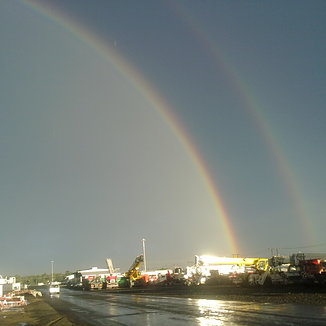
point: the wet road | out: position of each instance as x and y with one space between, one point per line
101 308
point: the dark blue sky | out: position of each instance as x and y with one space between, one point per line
89 167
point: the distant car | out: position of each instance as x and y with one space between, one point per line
54 289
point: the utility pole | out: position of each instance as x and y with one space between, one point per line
144 254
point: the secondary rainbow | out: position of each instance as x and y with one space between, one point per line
255 110
152 96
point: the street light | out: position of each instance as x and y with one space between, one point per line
52 262
144 253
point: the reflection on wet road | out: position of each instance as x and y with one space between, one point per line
100 308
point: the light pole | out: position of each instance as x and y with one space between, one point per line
52 262
144 253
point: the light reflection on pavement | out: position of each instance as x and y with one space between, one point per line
217 312
102 308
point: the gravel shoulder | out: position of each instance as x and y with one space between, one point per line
36 312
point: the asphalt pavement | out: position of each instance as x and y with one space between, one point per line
104 308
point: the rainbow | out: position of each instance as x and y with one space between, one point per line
151 95
255 110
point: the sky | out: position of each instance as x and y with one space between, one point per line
196 125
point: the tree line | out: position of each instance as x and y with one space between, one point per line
33 280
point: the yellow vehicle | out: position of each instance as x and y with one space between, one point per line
225 265
223 269
260 264
133 273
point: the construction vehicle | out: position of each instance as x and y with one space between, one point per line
132 274
250 266
222 269
314 270
113 277
74 281
95 283
177 278
94 278
298 268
